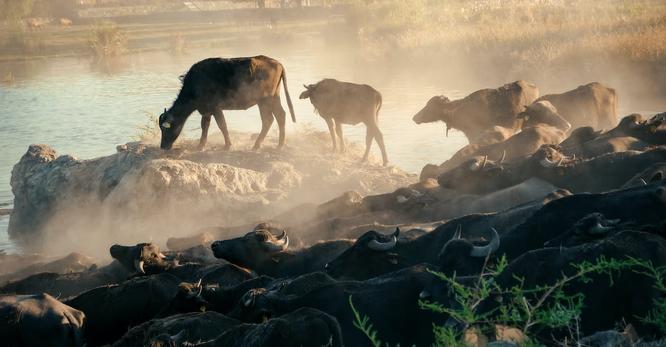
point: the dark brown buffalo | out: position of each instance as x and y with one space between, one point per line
348 103
481 110
39 320
592 104
217 84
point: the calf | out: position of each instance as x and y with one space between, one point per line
348 103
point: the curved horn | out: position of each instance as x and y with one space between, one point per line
547 163
161 255
383 246
503 157
598 229
485 160
643 183
280 245
458 234
138 266
492 246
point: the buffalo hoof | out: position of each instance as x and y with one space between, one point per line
226 147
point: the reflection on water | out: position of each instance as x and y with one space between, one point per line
86 111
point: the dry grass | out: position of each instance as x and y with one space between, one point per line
536 31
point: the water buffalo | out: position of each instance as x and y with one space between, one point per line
542 113
202 326
348 103
133 258
481 110
390 302
73 262
374 254
592 104
631 292
557 217
39 320
517 146
268 254
111 310
481 175
217 84
304 327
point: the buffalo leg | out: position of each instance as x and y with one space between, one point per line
205 124
222 124
379 137
266 122
280 116
338 130
329 122
369 135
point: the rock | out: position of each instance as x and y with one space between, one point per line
142 193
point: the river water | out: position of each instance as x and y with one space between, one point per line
81 109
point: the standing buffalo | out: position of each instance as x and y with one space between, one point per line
592 104
348 103
217 84
481 110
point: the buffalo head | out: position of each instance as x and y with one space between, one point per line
589 228
309 89
135 258
474 175
170 128
255 248
463 258
436 109
543 112
372 254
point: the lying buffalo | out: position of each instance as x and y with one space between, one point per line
555 219
592 104
39 320
217 84
133 258
111 310
603 173
390 302
268 254
348 103
481 110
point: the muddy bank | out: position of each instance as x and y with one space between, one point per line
142 193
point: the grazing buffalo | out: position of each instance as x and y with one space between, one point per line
590 105
111 310
390 302
481 110
268 254
39 320
217 84
348 103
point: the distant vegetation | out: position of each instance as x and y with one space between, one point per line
107 41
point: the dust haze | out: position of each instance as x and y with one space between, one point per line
407 50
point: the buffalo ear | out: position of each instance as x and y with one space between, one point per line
657 176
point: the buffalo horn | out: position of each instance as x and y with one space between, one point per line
547 163
281 244
138 265
598 229
643 183
458 233
385 246
485 160
492 246
503 157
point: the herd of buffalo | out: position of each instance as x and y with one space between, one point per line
546 182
